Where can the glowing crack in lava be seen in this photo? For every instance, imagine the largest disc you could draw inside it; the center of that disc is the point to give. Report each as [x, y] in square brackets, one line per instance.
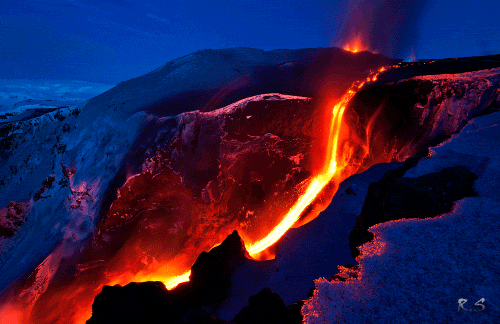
[173, 282]
[356, 44]
[335, 162]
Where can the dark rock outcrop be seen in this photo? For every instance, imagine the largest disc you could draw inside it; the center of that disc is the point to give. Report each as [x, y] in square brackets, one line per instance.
[396, 197]
[443, 66]
[210, 173]
[145, 302]
[151, 302]
[200, 316]
[211, 273]
[268, 308]
[13, 217]
[46, 185]
[398, 120]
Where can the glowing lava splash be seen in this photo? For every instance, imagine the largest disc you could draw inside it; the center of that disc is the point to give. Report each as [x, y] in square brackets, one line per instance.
[334, 164]
[356, 44]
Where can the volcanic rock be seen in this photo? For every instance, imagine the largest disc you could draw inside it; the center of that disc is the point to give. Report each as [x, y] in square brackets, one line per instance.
[415, 270]
[395, 197]
[170, 180]
[145, 302]
[268, 308]
[306, 253]
[211, 273]
[12, 217]
[443, 66]
[151, 302]
[210, 173]
[200, 316]
[401, 119]
[46, 185]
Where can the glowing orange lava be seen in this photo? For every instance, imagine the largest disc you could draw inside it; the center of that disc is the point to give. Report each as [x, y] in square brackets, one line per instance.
[173, 282]
[356, 44]
[334, 163]
[335, 169]
[332, 167]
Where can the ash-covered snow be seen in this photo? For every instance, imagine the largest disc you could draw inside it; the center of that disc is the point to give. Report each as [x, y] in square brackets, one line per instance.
[415, 271]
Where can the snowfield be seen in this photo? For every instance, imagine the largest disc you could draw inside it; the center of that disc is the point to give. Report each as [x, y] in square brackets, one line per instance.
[415, 271]
[17, 95]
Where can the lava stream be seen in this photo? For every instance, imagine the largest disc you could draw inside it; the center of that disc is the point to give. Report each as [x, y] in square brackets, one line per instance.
[173, 282]
[334, 163]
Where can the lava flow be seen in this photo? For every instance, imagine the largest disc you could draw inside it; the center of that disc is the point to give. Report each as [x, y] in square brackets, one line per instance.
[91, 274]
[335, 162]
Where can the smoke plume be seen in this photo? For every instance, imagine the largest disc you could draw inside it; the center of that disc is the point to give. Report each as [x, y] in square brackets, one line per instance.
[389, 27]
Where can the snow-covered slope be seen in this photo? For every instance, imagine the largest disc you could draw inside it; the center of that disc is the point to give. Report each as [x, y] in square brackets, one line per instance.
[210, 79]
[17, 94]
[416, 271]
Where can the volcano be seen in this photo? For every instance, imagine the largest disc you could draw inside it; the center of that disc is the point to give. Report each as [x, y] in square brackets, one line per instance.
[240, 179]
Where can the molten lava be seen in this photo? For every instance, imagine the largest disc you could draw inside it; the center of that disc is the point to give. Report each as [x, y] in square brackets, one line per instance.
[356, 44]
[173, 282]
[333, 166]
[334, 163]
[172, 270]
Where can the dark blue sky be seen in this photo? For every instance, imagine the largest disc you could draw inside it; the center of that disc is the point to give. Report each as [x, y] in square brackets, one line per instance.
[115, 40]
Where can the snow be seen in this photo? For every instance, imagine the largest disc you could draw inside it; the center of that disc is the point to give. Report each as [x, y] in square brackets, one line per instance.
[230, 109]
[455, 99]
[52, 222]
[16, 95]
[466, 76]
[415, 271]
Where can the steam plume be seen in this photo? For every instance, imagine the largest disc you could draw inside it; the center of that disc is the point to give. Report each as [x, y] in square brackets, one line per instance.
[389, 26]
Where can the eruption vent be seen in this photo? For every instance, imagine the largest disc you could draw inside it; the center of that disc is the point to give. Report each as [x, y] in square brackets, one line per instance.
[389, 27]
[356, 44]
